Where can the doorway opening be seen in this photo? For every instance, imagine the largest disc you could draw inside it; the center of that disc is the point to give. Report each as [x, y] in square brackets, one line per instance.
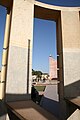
[44, 48]
[47, 50]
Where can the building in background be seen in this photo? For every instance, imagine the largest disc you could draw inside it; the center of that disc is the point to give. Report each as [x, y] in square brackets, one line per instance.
[0, 74]
[52, 68]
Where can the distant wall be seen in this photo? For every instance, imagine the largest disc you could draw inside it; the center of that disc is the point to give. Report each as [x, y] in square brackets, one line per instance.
[52, 67]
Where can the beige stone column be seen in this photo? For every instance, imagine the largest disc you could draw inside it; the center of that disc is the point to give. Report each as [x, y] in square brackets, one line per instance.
[5, 55]
[71, 52]
[19, 70]
[71, 61]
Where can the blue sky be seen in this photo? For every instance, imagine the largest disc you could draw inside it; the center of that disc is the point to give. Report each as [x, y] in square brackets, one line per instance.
[44, 43]
[2, 26]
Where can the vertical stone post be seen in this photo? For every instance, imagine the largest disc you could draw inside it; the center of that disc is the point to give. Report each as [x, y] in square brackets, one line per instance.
[71, 57]
[5, 55]
[71, 52]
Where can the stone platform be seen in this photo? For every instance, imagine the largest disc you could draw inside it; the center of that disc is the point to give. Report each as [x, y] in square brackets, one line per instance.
[28, 110]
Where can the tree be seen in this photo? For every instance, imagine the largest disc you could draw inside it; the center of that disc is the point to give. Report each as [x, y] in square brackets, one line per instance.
[33, 72]
[38, 73]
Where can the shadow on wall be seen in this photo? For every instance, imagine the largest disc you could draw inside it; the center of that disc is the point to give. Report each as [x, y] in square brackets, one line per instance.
[51, 105]
[70, 109]
[17, 97]
[63, 107]
[72, 90]
[57, 109]
[3, 110]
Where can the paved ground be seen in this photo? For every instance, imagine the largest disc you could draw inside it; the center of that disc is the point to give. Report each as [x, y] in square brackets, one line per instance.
[28, 110]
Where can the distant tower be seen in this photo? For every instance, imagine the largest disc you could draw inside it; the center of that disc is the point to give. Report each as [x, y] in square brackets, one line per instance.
[52, 67]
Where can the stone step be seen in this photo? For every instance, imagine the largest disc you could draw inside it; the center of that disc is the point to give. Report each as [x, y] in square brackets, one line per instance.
[28, 110]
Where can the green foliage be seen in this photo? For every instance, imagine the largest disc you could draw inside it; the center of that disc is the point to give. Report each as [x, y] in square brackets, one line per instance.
[38, 73]
[40, 88]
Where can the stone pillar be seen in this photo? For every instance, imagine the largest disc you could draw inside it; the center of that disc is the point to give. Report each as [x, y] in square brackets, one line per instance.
[5, 55]
[71, 52]
[20, 54]
[71, 55]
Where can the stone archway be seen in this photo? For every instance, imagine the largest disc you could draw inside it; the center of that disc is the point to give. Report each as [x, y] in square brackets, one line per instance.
[53, 15]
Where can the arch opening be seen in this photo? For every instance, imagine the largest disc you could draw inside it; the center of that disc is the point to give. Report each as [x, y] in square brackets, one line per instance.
[55, 16]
